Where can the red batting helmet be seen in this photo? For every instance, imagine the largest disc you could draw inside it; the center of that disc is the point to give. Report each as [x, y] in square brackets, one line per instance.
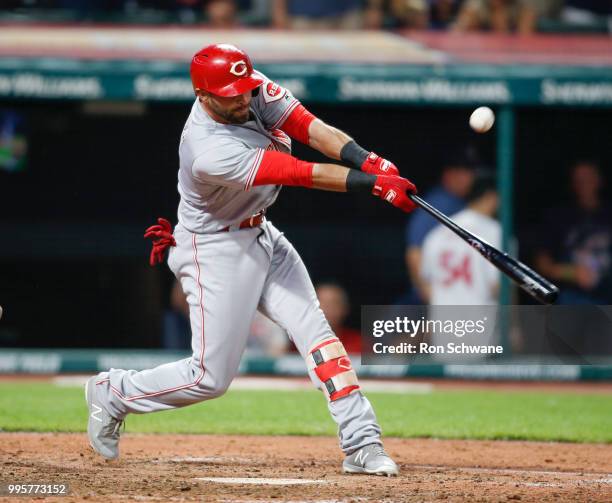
[224, 70]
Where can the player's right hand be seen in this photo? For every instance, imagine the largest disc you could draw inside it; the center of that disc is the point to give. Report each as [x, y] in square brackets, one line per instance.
[376, 165]
[394, 189]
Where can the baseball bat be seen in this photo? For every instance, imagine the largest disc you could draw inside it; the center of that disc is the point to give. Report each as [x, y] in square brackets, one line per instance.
[529, 280]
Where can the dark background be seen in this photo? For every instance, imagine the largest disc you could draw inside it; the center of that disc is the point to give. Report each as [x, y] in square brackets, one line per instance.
[73, 264]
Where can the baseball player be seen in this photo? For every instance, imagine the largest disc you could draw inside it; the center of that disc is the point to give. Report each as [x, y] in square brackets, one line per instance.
[231, 261]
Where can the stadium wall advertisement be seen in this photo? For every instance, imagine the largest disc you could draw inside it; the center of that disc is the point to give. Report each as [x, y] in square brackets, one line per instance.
[413, 85]
[52, 361]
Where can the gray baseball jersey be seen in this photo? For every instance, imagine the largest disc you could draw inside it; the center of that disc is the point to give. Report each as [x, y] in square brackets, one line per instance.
[218, 162]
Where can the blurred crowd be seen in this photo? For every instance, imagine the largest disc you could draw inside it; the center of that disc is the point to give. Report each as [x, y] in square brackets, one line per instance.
[522, 16]
[574, 248]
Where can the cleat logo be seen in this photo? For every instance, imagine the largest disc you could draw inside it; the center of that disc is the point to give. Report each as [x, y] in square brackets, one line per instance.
[97, 410]
[239, 68]
[361, 456]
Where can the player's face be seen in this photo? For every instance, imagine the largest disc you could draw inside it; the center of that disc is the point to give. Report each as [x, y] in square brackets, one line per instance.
[234, 110]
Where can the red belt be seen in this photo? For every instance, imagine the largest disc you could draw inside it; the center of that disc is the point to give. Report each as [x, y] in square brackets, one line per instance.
[248, 223]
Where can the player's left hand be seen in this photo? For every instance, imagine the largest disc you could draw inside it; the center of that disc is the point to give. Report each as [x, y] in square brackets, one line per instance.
[376, 165]
[162, 237]
[394, 190]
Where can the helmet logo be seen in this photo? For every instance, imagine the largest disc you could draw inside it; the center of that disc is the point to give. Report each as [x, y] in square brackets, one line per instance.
[239, 68]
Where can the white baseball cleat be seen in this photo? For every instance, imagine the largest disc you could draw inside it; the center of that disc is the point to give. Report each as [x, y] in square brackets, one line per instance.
[102, 428]
[371, 460]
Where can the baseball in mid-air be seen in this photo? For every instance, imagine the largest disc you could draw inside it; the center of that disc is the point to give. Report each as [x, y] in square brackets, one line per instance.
[482, 119]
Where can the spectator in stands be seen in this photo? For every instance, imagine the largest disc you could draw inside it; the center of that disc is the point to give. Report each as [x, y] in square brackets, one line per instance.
[448, 196]
[317, 14]
[418, 14]
[335, 305]
[451, 272]
[442, 13]
[578, 250]
[396, 14]
[221, 13]
[502, 16]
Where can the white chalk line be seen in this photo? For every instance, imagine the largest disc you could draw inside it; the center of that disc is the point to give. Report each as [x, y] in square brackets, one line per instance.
[209, 460]
[265, 481]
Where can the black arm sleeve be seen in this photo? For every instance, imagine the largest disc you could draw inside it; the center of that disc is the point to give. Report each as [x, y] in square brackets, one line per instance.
[353, 154]
[358, 181]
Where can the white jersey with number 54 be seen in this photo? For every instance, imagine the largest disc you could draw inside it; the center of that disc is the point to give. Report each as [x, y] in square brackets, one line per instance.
[458, 274]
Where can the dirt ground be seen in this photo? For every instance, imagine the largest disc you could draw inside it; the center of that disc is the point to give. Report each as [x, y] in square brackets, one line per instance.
[166, 468]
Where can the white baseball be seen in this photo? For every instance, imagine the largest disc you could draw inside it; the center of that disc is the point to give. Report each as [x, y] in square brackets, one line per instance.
[482, 119]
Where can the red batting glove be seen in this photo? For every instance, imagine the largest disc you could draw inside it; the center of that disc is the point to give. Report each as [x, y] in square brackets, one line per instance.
[163, 239]
[376, 165]
[393, 190]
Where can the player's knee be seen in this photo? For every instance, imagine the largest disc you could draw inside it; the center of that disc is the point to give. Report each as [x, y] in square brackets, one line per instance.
[207, 384]
[330, 362]
[217, 390]
[212, 388]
